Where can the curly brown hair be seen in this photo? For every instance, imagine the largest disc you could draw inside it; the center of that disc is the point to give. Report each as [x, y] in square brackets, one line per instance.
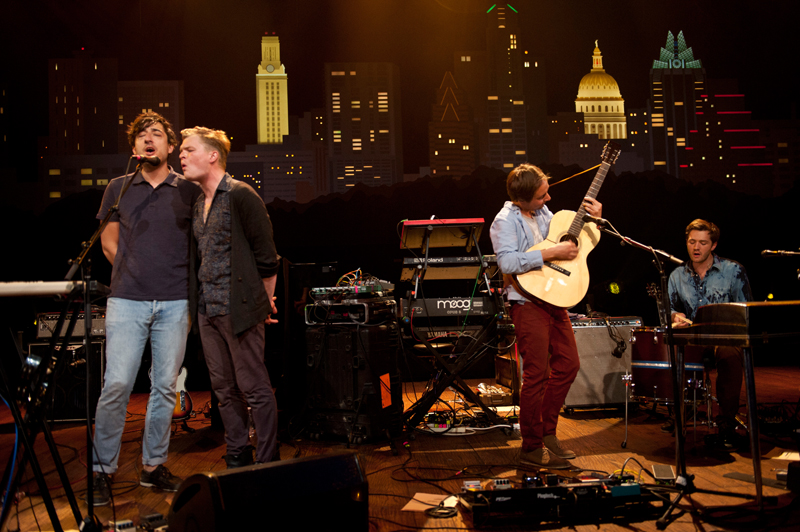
[147, 119]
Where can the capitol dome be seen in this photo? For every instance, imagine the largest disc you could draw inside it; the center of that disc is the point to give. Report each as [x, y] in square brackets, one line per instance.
[601, 102]
[598, 83]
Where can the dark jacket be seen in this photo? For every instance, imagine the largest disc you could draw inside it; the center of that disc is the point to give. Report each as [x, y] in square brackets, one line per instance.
[253, 258]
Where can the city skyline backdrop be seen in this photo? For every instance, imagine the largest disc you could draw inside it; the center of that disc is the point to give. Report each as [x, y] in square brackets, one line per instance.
[216, 52]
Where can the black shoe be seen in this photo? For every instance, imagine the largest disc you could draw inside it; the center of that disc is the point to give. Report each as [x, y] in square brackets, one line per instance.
[160, 478]
[243, 459]
[101, 489]
[669, 426]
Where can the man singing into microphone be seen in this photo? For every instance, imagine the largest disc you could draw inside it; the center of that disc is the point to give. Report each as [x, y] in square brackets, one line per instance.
[544, 333]
[705, 279]
[147, 241]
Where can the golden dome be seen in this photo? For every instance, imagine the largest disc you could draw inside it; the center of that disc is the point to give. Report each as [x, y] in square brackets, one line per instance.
[597, 83]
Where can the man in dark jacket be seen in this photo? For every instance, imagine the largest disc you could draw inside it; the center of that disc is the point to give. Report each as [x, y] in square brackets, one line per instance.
[236, 277]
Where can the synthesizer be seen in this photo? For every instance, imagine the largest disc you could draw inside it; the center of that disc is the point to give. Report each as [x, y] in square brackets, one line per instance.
[434, 307]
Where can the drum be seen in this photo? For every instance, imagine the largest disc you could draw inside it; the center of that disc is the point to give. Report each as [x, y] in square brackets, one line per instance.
[650, 368]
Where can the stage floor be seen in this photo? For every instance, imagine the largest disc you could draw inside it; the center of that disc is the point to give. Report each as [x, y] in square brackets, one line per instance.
[438, 464]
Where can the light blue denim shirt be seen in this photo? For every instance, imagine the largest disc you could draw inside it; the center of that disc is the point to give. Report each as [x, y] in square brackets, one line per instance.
[724, 282]
[511, 238]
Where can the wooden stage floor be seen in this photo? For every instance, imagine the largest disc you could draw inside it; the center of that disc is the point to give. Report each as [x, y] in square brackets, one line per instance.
[436, 464]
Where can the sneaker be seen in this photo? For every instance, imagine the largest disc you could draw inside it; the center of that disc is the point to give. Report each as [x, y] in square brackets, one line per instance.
[543, 458]
[244, 458]
[669, 426]
[554, 446]
[101, 489]
[160, 478]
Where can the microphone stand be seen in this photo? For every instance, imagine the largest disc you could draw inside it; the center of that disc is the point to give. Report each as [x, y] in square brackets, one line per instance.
[91, 523]
[684, 481]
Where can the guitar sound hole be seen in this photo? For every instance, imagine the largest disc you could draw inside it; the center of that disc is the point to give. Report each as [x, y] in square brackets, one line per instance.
[569, 238]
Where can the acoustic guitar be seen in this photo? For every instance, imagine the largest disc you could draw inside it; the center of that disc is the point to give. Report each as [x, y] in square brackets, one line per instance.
[563, 283]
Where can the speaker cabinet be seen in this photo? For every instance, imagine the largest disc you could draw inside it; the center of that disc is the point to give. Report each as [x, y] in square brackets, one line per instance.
[599, 381]
[69, 393]
[354, 388]
[304, 494]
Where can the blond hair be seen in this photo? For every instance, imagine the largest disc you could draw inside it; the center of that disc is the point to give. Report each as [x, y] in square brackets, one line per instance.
[214, 139]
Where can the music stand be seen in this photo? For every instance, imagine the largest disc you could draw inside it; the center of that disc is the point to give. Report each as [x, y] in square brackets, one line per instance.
[425, 234]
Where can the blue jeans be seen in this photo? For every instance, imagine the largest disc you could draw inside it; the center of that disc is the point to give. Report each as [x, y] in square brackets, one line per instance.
[128, 326]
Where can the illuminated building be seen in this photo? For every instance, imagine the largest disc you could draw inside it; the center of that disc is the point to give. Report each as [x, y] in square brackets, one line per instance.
[730, 147]
[677, 81]
[536, 120]
[363, 123]
[283, 171]
[271, 94]
[505, 102]
[493, 82]
[601, 103]
[451, 132]
[82, 99]
[568, 144]
[135, 97]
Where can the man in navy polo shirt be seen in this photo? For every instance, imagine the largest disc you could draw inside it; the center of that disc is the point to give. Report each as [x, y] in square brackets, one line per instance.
[147, 241]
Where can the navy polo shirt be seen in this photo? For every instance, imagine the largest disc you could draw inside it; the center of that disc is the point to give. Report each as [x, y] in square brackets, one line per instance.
[152, 261]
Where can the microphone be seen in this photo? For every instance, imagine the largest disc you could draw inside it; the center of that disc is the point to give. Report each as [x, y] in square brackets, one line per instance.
[621, 347]
[598, 221]
[669, 257]
[779, 253]
[141, 159]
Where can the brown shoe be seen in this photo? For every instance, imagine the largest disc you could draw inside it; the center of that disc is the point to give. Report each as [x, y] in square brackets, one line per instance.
[554, 446]
[543, 458]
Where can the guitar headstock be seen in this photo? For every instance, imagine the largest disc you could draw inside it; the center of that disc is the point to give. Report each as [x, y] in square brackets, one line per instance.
[653, 290]
[610, 152]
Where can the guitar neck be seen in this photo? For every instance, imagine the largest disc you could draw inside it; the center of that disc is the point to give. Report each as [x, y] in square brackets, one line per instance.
[594, 189]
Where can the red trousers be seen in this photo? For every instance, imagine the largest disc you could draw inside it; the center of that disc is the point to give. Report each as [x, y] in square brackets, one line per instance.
[550, 364]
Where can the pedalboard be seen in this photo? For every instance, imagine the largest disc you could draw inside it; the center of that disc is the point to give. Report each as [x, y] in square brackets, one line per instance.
[550, 498]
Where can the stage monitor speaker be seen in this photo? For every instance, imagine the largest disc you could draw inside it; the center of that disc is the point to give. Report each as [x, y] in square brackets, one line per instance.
[599, 382]
[312, 494]
[69, 393]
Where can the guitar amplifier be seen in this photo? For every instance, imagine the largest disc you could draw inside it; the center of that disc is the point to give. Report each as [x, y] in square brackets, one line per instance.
[599, 382]
[603, 362]
[46, 324]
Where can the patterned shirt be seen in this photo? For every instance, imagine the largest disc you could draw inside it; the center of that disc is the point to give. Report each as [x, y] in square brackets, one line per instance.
[214, 248]
[724, 282]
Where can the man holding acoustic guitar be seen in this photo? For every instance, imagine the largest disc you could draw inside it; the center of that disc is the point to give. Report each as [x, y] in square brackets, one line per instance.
[525, 243]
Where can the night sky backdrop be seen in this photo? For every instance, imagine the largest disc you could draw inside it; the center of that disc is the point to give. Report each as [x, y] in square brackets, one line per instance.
[215, 48]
